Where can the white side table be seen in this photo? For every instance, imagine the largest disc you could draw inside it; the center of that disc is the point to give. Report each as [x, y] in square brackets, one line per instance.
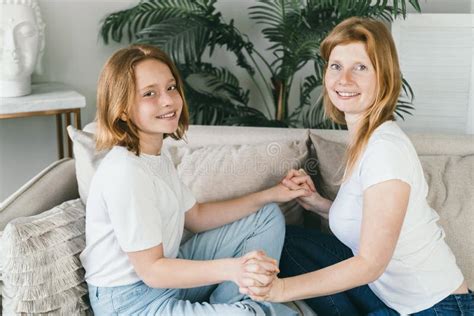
[47, 99]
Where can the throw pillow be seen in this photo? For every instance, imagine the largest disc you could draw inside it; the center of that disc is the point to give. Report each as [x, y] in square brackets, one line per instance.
[227, 171]
[42, 271]
[86, 157]
[330, 165]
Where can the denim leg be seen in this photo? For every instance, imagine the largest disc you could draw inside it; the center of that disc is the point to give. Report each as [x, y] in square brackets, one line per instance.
[263, 230]
[307, 250]
[453, 305]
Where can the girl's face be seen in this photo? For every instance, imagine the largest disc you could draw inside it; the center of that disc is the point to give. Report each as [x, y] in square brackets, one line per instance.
[350, 80]
[158, 103]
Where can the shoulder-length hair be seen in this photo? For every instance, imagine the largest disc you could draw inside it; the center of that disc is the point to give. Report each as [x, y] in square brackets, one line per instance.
[116, 95]
[381, 50]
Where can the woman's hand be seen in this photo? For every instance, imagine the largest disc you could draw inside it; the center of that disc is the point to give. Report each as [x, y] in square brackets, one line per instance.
[298, 179]
[273, 292]
[281, 193]
[255, 269]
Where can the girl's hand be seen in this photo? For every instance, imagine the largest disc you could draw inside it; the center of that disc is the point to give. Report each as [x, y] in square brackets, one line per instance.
[301, 178]
[297, 179]
[273, 292]
[282, 193]
[254, 269]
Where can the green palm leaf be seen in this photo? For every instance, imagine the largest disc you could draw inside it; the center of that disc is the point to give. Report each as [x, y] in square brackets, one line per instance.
[217, 81]
[184, 39]
[146, 13]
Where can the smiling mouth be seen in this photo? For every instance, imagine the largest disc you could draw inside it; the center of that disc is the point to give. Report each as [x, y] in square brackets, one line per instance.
[347, 94]
[167, 115]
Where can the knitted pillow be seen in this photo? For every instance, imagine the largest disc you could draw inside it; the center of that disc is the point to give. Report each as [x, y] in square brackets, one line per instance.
[42, 272]
[219, 172]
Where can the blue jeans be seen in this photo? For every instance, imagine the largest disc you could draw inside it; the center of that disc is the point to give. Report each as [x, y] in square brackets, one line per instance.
[263, 230]
[307, 250]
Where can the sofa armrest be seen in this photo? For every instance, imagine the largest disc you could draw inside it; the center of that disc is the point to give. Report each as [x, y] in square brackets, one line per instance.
[55, 184]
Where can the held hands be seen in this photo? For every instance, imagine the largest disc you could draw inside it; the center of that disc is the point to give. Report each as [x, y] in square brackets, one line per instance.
[297, 180]
[272, 293]
[255, 272]
[284, 192]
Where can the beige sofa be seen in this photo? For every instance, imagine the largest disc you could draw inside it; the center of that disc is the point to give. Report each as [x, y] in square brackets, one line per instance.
[223, 162]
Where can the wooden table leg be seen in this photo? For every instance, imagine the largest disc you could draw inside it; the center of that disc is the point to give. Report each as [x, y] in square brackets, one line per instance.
[69, 142]
[59, 132]
[77, 118]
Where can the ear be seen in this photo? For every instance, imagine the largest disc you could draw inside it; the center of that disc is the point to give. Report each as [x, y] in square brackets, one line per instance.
[124, 117]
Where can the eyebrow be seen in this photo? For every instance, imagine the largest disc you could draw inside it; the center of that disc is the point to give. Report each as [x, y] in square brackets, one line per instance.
[154, 84]
[339, 62]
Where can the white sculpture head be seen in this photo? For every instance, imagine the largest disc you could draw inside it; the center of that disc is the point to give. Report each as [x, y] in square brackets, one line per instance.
[21, 45]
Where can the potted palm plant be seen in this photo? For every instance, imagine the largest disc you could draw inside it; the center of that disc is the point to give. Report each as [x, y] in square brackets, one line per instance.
[190, 29]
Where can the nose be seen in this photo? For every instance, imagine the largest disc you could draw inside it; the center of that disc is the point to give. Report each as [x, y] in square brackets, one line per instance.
[345, 77]
[165, 99]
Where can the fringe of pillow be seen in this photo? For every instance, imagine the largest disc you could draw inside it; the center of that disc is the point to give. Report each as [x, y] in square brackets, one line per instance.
[43, 274]
[41, 259]
[54, 302]
[56, 285]
[25, 227]
[47, 240]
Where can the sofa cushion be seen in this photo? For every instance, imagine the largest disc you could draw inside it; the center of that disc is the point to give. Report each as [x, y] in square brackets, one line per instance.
[42, 271]
[212, 172]
[227, 171]
[451, 182]
[87, 159]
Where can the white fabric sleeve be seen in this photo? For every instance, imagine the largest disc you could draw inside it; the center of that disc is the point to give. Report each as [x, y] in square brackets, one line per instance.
[131, 201]
[385, 160]
[187, 197]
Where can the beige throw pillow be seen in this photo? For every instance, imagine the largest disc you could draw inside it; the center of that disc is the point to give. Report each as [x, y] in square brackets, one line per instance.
[87, 159]
[228, 171]
[330, 165]
[451, 185]
[42, 271]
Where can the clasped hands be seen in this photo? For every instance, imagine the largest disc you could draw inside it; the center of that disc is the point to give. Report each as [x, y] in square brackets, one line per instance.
[258, 276]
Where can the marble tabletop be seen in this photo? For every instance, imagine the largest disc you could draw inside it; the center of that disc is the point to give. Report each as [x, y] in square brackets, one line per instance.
[44, 97]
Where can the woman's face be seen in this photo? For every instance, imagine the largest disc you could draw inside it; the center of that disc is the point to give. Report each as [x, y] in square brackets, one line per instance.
[158, 103]
[350, 80]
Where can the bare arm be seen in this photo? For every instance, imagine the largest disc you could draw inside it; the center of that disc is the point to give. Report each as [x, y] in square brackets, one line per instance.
[206, 216]
[160, 272]
[385, 206]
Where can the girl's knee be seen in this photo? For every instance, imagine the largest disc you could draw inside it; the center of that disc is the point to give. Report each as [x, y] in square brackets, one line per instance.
[273, 213]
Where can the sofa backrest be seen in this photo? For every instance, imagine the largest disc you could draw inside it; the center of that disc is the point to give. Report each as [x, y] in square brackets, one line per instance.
[52, 186]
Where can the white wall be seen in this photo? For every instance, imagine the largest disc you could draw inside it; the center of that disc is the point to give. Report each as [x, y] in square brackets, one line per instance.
[74, 55]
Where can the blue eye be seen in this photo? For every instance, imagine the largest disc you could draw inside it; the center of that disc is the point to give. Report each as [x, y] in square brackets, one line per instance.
[334, 66]
[360, 67]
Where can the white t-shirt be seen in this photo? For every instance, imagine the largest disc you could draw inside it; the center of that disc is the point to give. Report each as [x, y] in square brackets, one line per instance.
[423, 269]
[134, 203]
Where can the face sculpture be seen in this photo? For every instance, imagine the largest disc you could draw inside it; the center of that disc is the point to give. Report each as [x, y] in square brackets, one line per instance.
[21, 42]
